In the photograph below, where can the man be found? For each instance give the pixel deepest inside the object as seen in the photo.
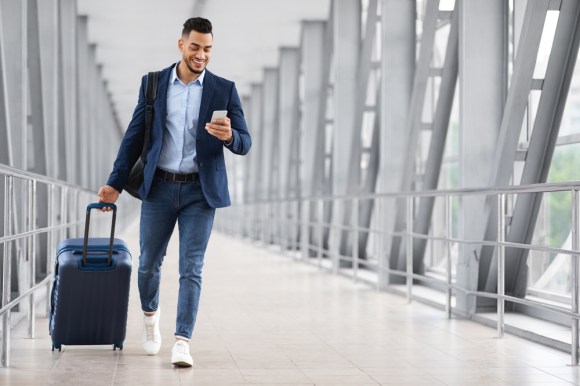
(184, 177)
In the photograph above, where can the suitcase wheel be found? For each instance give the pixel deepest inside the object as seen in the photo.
(57, 346)
(118, 346)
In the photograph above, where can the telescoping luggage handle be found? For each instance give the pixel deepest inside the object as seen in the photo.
(99, 205)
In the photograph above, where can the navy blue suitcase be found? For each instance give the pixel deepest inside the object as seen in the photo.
(90, 293)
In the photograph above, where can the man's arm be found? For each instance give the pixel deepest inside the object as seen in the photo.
(232, 130)
(131, 145)
(129, 150)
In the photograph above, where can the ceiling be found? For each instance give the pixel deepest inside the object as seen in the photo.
(137, 36)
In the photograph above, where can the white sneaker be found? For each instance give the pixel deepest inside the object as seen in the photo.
(151, 334)
(180, 354)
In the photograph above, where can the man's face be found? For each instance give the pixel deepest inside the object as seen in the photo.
(196, 50)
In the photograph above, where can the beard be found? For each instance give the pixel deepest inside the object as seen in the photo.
(194, 71)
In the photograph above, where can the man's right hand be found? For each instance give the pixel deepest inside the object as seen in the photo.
(109, 195)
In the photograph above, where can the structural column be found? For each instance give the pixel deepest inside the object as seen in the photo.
(288, 137)
(483, 87)
(270, 133)
(287, 116)
(347, 41)
(254, 192)
(68, 88)
(313, 50)
(315, 53)
(13, 84)
(397, 72)
(254, 156)
(83, 88)
(346, 16)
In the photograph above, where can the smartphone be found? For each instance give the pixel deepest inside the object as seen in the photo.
(219, 114)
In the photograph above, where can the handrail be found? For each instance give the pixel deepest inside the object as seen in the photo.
(275, 213)
(516, 189)
(19, 299)
(70, 198)
(13, 172)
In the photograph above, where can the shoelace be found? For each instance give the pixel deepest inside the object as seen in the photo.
(182, 348)
(150, 332)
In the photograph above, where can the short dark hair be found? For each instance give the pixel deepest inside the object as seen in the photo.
(198, 24)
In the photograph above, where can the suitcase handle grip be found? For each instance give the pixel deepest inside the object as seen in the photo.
(99, 205)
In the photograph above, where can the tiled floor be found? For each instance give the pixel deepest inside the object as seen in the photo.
(267, 320)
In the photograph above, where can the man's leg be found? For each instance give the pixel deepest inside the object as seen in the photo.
(195, 225)
(158, 217)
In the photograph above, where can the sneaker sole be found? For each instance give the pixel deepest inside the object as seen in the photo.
(182, 364)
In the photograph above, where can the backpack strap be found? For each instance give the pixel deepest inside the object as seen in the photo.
(150, 96)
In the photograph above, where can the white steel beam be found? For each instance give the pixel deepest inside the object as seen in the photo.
(270, 134)
(38, 94)
(397, 71)
(504, 152)
(346, 141)
(287, 116)
(483, 88)
(434, 161)
(413, 127)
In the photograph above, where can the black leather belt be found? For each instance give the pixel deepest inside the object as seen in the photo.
(175, 177)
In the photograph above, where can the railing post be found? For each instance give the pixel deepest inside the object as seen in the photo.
(575, 266)
(50, 241)
(7, 269)
(271, 224)
(32, 256)
(296, 228)
(501, 200)
(264, 222)
(336, 234)
(63, 212)
(355, 237)
(304, 229)
(280, 216)
(409, 248)
(379, 243)
(448, 236)
(320, 232)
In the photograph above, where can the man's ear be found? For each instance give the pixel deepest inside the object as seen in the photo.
(180, 45)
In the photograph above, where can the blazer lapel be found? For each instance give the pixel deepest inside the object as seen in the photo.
(208, 87)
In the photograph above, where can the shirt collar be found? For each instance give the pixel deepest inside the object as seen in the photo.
(174, 77)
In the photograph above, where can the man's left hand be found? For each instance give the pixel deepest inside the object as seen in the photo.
(220, 128)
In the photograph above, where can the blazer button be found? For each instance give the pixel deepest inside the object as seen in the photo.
(201, 164)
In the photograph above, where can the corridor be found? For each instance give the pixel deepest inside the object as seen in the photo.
(265, 319)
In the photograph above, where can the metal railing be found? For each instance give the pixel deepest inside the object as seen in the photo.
(293, 223)
(38, 212)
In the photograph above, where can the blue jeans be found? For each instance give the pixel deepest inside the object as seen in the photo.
(167, 203)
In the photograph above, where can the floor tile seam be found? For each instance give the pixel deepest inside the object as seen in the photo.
(224, 342)
(55, 365)
(115, 369)
(354, 364)
(563, 379)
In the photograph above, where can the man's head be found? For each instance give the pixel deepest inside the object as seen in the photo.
(196, 43)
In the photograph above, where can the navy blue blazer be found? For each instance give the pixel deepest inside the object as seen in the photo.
(218, 94)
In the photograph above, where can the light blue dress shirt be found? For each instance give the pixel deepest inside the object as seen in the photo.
(178, 153)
